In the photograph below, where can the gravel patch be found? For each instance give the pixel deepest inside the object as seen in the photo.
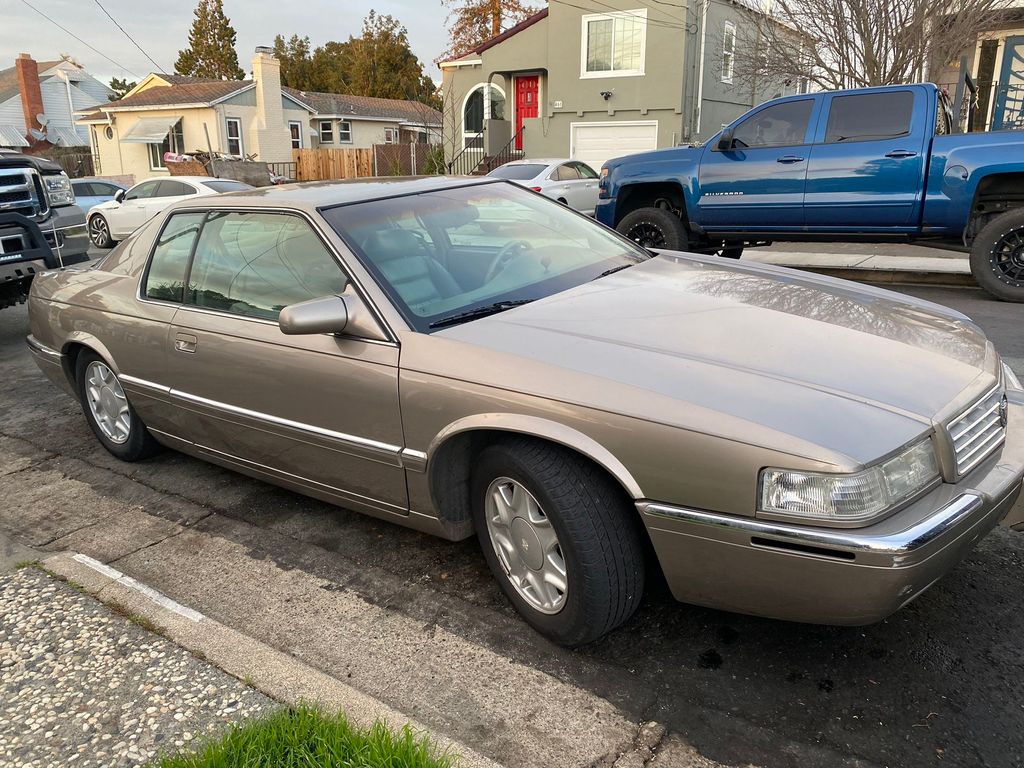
(81, 685)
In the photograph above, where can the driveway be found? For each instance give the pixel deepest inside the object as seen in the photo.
(419, 622)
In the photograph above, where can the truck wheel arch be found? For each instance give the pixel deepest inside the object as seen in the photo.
(647, 194)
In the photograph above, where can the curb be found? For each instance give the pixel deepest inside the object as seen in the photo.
(869, 268)
(273, 672)
(893, 277)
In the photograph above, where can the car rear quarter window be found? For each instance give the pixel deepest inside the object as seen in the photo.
(165, 278)
(256, 264)
(869, 117)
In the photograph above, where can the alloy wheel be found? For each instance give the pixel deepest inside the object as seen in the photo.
(1008, 258)
(526, 545)
(107, 402)
(99, 232)
(648, 235)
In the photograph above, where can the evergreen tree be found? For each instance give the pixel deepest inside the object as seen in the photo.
(471, 22)
(121, 87)
(211, 45)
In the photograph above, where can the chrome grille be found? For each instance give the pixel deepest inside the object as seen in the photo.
(21, 191)
(978, 431)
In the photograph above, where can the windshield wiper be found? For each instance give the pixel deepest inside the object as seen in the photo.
(473, 314)
(612, 271)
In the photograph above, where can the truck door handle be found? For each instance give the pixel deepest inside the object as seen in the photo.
(901, 153)
(186, 342)
(790, 159)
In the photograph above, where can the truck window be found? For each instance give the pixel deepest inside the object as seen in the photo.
(869, 116)
(781, 125)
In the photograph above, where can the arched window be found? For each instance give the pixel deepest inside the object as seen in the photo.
(483, 102)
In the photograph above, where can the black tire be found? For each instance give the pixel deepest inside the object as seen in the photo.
(997, 256)
(99, 232)
(139, 443)
(598, 536)
(655, 228)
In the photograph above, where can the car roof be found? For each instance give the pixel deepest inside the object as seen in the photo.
(98, 178)
(540, 161)
(327, 194)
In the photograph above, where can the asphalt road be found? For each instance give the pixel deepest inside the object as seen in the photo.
(939, 683)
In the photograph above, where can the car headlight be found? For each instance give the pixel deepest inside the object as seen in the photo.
(1010, 378)
(849, 498)
(58, 189)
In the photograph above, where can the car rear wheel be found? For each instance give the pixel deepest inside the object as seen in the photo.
(655, 228)
(997, 256)
(110, 415)
(99, 232)
(560, 537)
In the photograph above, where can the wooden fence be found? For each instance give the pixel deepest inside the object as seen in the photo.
(317, 164)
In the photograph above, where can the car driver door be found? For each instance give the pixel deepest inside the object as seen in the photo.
(316, 411)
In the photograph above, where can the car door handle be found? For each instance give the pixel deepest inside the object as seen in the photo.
(790, 159)
(186, 342)
(901, 153)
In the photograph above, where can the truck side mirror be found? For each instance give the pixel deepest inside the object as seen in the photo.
(725, 140)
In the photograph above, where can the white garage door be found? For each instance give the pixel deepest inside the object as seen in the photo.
(593, 143)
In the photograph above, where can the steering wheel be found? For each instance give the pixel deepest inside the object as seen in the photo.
(508, 253)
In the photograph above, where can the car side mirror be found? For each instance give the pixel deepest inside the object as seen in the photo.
(345, 314)
(725, 140)
(119, 195)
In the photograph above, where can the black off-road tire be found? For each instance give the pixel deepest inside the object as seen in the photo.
(655, 228)
(99, 232)
(140, 443)
(997, 256)
(598, 533)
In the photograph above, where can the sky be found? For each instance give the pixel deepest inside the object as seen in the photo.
(161, 28)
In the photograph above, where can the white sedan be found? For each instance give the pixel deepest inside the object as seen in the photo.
(570, 182)
(116, 219)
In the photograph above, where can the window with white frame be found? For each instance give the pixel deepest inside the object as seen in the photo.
(614, 44)
(234, 125)
(295, 129)
(728, 51)
(483, 102)
(345, 132)
(326, 132)
(174, 141)
(390, 135)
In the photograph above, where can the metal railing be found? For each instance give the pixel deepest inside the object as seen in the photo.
(989, 106)
(286, 171)
(466, 161)
(503, 155)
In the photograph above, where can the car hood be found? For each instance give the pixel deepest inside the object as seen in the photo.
(745, 351)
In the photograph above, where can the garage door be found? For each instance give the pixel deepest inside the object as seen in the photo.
(593, 143)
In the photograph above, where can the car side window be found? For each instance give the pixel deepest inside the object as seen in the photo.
(165, 278)
(869, 116)
(256, 264)
(142, 191)
(566, 172)
(171, 188)
(586, 172)
(82, 189)
(781, 125)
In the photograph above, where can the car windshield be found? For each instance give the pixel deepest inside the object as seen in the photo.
(442, 255)
(221, 185)
(520, 172)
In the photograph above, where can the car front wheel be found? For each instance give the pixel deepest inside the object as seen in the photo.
(111, 417)
(560, 537)
(997, 256)
(655, 228)
(99, 232)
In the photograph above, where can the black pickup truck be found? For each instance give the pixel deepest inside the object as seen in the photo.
(40, 225)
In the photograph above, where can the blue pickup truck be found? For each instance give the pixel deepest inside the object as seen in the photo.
(873, 164)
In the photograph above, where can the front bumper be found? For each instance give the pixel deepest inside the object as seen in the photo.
(829, 575)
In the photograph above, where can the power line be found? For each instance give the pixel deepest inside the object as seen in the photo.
(652, 22)
(158, 68)
(91, 48)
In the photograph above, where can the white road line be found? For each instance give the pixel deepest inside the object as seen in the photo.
(157, 597)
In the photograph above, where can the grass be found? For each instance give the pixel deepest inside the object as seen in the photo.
(305, 737)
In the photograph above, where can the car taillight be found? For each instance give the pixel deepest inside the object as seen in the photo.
(536, 189)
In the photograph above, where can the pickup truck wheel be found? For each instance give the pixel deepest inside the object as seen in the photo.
(997, 256)
(560, 537)
(655, 228)
(99, 232)
(110, 415)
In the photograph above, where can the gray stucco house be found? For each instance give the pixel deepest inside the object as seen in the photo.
(594, 84)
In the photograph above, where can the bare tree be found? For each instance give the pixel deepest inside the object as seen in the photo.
(838, 44)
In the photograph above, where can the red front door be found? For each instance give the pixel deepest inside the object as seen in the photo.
(527, 91)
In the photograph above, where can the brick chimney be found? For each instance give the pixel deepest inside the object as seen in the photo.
(31, 95)
(271, 137)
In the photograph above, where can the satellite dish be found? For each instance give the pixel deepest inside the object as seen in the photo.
(38, 135)
(42, 119)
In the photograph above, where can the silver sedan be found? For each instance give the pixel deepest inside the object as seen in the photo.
(570, 182)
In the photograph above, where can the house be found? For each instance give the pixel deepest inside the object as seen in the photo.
(996, 62)
(246, 118)
(54, 89)
(590, 83)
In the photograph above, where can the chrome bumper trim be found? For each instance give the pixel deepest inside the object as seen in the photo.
(42, 349)
(895, 544)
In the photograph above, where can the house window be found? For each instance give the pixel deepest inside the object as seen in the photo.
(345, 132)
(728, 51)
(295, 128)
(614, 44)
(483, 102)
(173, 142)
(326, 132)
(234, 136)
(390, 135)
(109, 133)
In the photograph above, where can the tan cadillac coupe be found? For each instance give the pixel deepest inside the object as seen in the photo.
(467, 357)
